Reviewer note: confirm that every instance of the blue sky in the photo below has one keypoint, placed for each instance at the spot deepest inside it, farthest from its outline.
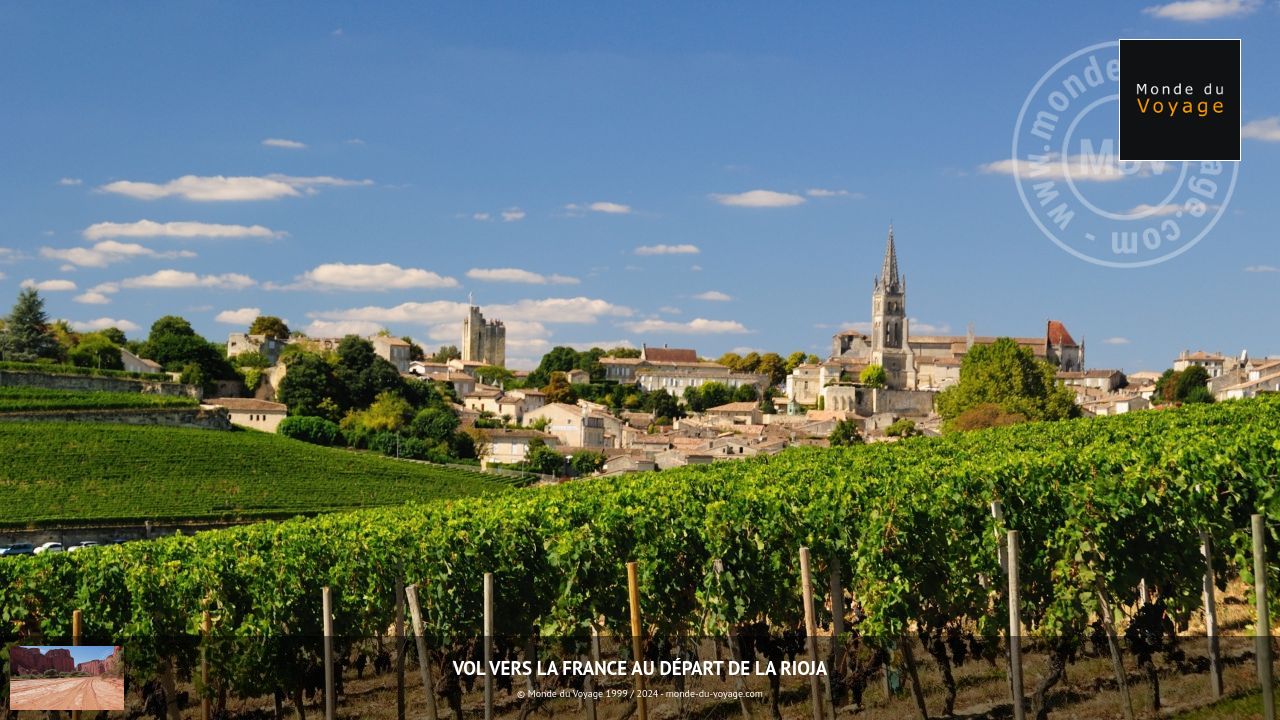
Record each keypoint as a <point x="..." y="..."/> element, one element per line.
<point x="582" y="170"/>
<point x="80" y="653"/>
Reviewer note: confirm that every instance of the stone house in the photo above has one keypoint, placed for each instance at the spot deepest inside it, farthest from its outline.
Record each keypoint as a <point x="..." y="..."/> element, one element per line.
<point x="257" y="414"/>
<point x="510" y="447"/>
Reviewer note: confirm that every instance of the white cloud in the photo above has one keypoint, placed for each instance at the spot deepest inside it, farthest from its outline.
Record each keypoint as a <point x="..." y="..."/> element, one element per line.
<point x="219" y="188"/>
<point x="697" y="326"/>
<point x="713" y="296"/>
<point x="668" y="309"/>
<point x="825" y="193"/>
<point x="1116" y="341"/>
<point x="103" y="323"/>
<point x="2" y="276"/>
<point x="70" y="181"/>
<point x="180" y="279"/>
<point x="1267" y="129"/>
<point x="49" y="285"/>
<point x="243" y="316"/>
<point x="481" y="216"/>
<point x="667" y="250"/>
<point x="92" y="297"/>
<point x="915" y="327"/>
<point x="1080" y="168"/>
<point x="107" y="252"/>
<point x="1262" y="269"/>
<point x="150" y="228"/>
<point x="516" y="275"/>
<point x="1162" y="210"/>
<point x="283" y="143"/>
<point x="9" y="255"/>
<point x="603" y="344"/>
<point x="1197" y="10"/>
<point x="384" y="276"/>
<point x="758" y="199"/>
<point x="512" y="214"/>
<point x="610" y="207"/>
<point x="341" y="328"/>
<point x="354" y="141"/>
<point x="575" y="310"/>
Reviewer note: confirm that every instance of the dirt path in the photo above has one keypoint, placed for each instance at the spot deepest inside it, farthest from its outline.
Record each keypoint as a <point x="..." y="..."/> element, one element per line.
<point x="88" y="693"/>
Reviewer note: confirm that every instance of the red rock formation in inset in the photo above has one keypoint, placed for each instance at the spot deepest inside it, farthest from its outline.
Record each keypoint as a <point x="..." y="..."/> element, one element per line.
<point x="109" y="665"/>
<point x="31" y="661"/>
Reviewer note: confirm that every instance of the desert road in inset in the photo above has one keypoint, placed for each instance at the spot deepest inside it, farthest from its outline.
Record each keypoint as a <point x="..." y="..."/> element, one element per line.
<point x="81" y="693"/>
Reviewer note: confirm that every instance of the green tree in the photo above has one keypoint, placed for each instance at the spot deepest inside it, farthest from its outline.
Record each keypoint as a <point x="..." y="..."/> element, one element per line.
<point x="745" y="393"/>
<point x="873" y="376"/>
<point x="1010" y="377"/>
<point x="663" y="405"/>
<point x="311" y="388"/>
<point x="1192" y="386"/>
<point x="586" y="462"/>
<point x="269" y="325"/>
<point x="445" y="354"/>
<point x="709" y="395"/>
<point x="902" y="427"/>
<point x="795" y="360"/>
<point x="774" y="366"/>
<point x="845" y="433"/>
<point x="175" y="345"/>
<point x="493" y="375"/>
<point x="388" y="413"/>
<point x="559" y="359"/>
<point x="558" y="390"/>
<point x="364" y="374"/>
<point x="542" y="459"/>
<point x="27" y="335"/>
<point x="115" y="335"/>
<point x="416" y="353"/>
<point x="434" y="423"/>
<point x="95" y="350"/>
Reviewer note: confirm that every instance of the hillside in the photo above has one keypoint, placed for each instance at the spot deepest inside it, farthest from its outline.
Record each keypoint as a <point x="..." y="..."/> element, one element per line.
<point x="54" y="473"/>
<point x="25" y="399"/>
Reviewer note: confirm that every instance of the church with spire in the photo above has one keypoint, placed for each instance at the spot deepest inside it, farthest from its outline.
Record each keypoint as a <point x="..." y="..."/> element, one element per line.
<point x="911" y="362"/>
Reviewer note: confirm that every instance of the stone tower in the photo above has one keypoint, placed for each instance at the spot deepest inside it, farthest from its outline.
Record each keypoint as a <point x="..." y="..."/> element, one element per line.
<point x="483" y="340"/>
<point x="889" y="347"/>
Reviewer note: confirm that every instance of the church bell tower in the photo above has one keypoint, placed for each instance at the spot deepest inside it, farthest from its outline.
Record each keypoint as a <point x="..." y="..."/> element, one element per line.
<point x="889" y="348"/>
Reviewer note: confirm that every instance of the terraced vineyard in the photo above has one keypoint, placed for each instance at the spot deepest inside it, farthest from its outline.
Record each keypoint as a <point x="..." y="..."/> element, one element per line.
<point x="26" y="399"/>
<point x="67" y="473"/>
<point x="1102" y="505"/>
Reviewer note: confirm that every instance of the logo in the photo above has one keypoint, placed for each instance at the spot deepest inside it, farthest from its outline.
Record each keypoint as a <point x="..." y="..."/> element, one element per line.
<point x="1067" y="168"/>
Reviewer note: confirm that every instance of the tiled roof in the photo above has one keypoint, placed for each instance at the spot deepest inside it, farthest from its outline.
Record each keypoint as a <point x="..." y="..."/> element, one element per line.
<point x="663" y="354"/>
<point x="247" y="404"/>
<point x="1058" y="334"/>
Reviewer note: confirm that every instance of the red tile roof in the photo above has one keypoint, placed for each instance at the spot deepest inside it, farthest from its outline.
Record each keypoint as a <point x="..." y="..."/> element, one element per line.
<point x="1058" y="334"/>
<point x="669" y="354"/>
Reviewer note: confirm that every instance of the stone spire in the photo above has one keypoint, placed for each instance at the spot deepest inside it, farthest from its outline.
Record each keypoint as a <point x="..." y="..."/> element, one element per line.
<point x="889" y="279"/>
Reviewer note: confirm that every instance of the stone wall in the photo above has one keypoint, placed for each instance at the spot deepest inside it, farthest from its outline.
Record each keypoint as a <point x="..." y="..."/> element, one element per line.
<point x="89" y="383"/>
<point x="203" y="417"/>
<point x="902" y="402"/>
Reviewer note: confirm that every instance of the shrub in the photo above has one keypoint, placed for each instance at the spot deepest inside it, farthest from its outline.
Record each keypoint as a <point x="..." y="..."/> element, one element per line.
<point x="902" y="428"/>
<point x="314" y="430"/>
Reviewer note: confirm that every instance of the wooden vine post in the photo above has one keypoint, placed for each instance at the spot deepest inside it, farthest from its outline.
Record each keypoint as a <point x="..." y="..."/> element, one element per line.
<point x="400" y="649"/>
<point x="488" y="646"/>
<point x="1263" y="630"/>
<point x="836" y="595"/>
<point x="1015" y="627"/>
<point x="206" y="628"/>
<point x="330" y="700"/>
<point x="1211" y="616"/>
<point x="738" y="683"/>
<point x="77" y="635"/>
<point x="424" y="664"/>
<point x="1104" y="614"/>
<point x="811" y="631"/>
<point x="637" y="640"/>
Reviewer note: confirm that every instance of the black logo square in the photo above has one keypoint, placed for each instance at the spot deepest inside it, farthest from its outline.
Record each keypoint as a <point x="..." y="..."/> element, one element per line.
<point x="1179" y="100"/>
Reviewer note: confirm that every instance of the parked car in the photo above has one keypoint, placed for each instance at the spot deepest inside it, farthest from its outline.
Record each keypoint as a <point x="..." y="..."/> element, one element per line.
<point x="82" y="545"/>
<point x="50" y="547"/>
<point x="18" y="549"/>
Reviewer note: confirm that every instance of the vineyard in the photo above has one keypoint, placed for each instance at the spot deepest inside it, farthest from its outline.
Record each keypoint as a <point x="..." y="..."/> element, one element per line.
<point x="1102" y="506"/>
<point x="61" y="473"/>
<point x="76" y="370"/>
<point x="26" y="399"/>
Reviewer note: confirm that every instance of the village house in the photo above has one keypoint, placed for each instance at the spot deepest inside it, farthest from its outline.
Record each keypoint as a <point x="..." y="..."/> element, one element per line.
<point x="247" y="412"/>
<point x="393" y="350"/>
<point x="572" y="425"/>
<point x="1214" y="363"/>
<point x="1107" y="380"/>
<point x="511" y="447"/>
<point x="133" y="363"/>
<point x="735" y="413"/>
<point x="674" y="370"/>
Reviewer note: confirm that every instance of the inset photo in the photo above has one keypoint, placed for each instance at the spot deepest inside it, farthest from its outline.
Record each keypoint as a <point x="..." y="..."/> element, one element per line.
<point x="61" y="677"/>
